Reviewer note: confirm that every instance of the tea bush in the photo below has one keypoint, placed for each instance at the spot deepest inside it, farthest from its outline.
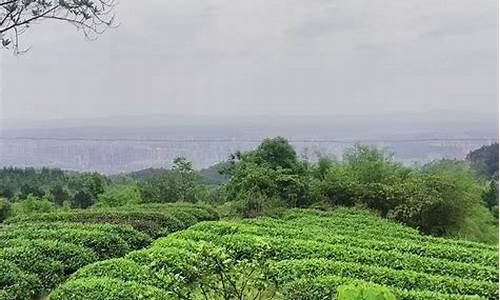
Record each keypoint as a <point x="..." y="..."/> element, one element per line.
<point x="40" y="251"/>
<point x="304" y="254"/>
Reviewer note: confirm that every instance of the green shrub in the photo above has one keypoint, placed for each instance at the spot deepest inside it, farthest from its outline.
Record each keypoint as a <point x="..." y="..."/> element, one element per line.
<point x="116" y="268"/>
<point x="181" y="183"/>
<point x="154" y="220"/>
<point x="50" y="270"/>
<point x="364" y="292"/>
<point x="326" y="287"/>
<point x="16" y="284"/>
<point x="132" y="237"/>
<point x="289" y="270"/>
<point x="71" y="256"/>
<point x="105" y="245"/>
<point x="118" y="195"/>
<point x="5" y="209"/>
<point x="32" y="205"/>
<point x="332" y="233"/>
<point x="102" y="288"/>
<point x="278" y="248"/>
<point x="39" y="251"/>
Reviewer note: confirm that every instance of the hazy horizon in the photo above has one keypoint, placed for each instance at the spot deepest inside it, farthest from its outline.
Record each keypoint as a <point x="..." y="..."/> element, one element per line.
<point x="423" y="113"/>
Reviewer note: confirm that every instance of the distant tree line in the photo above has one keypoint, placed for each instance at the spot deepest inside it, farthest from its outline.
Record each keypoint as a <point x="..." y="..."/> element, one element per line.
<point x="76" y="190"/>
<point x="485" y="160"/>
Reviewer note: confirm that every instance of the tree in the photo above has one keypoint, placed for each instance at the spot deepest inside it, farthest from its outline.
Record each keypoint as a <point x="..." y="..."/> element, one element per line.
<point x="32" y="205"/>
<point x="320" y="169"/>
<point x="443" y="198"/>
<point x="338" y="187"/>
<point x="118" y="195"/>
<point x="271" y="171"/>
<point x="7" y="190"/>
<point x="485" y="160"/>
<point x="82" y="199"/>
<point x="30" y="189"/>
<point x="92" y="17"/>
<point x="181" y="183"/>
<point x="275" y="153"/>
<point x="59" y="194"/>
<point x="87" y="187"/>
<point x="5" y="209"/>
<point x="371" y="165"/>
<point x="92" y="183"/>
<point x="189" y="180"/>
<point x="490" y="196"/>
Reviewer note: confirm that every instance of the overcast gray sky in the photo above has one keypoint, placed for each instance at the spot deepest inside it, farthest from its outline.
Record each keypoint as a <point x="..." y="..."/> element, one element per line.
<point x="261" y="56"/>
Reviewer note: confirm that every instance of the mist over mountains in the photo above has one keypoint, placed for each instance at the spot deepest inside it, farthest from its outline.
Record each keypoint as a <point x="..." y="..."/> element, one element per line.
<point x="128" y="143"/>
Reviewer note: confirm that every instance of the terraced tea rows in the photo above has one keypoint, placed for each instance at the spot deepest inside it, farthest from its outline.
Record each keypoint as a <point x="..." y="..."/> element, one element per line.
<point x="304" y="255"/>
<point x="39" y="252"/>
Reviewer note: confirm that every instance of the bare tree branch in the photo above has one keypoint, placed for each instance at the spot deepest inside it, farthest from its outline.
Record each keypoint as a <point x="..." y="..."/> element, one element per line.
<point x="93" y="17"/>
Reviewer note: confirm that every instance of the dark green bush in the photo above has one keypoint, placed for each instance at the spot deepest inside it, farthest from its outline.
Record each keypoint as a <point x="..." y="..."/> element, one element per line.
<point x="5" y="209"/>
<point x="50" y="270"/>
<point x="364" y="292"/>
<point x="287" y="271"/>
<point x="16" y="284"/>
<point x="104" y="244"/>
<point x="117" y="268"/>
<point x="70" y="255"/>
<point x="47" y="248"/>
<point x="153" y="220"/>
<point x="102" y="288"/>
<point x="132" y="237"/>
<point x="326" y="287"/>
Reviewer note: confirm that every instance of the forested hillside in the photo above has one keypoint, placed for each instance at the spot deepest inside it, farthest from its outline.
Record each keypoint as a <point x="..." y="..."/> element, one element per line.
<point x="485" y="160"/>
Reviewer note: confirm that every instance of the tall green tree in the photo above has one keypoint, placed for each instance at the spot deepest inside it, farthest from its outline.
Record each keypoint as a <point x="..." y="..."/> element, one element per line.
<point x="270" y="171"/>
<point x="181" y="183"/>
<point x="490" y="195"/>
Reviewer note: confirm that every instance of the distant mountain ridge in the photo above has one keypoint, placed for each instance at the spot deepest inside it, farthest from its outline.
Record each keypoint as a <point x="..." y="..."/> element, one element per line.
<point x="435" y="124"/>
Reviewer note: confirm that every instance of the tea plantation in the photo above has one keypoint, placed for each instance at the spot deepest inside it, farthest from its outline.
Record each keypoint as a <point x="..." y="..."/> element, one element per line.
<point x="303" y="254"/>
<point x="38" y="252"/>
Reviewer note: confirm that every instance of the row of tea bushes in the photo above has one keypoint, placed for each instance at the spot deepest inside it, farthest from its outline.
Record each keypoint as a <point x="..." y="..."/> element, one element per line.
<point x="51" y="254"/>
<point x="154" y="219"/>
<point x="342" y="220"/>
<point x="40" y="251"/>
<point x="326" y="287"/>
<point x="334" y="235"/>
<point x="244" y="245"/>
<point x="304" y="255"/>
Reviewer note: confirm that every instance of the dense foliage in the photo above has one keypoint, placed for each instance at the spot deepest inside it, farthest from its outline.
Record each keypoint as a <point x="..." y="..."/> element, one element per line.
<point x="79" y="190"/>
<point x="485" y="160"/>
<point x="39" y="251"/>
<point x="182" y="183"/>
<point x="443" y="198"/>
<point x="304" y="254"/>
